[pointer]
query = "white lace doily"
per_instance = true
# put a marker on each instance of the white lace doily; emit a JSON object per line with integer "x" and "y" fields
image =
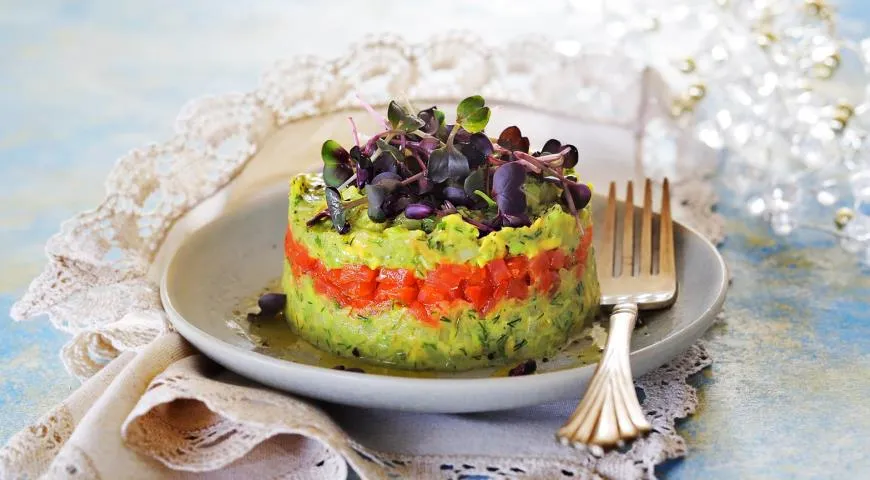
{"x": 100, "y": 284}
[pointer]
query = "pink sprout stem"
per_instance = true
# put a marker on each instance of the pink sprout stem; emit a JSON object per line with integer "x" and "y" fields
{"x": 413, "y": 178}
{"x": 354, "y": 130}
{"x": 377, "y": 116}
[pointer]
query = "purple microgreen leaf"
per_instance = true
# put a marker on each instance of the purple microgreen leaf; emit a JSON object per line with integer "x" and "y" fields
{"x": 512, "y": 139}
{"x": 475, "y": 181}
{"x": 377, "y": 196}
{"x": 455, "y": 194}
{"x": 432, "y": 119}
{"x": 429, "y": 144}
{"x": 418, "y": 211}
{"x": 461, "y": 135}
{"x": 552, "y": 146}
{"x": 336, "y": 163}
{"x": 508, "y": 178}
{"x": 335, "y": 206}
{"x": 400, "y": 119}
{"x": 569, "y": 159}
{"x": 580, "y": 194}
{"x": 481, "y": 143}
{"x": 507, "y": 183}
{"x": 385, "y": 163}
{"x": 513, "y": 203}
{"x": 388, "y": 158}
{"x": 390, "y": 180}
{"x": 446, "y": 163}
{"x": 475, "y": 158}
{"x": 395, "y": 205}
{"x": 569, "y": 199}
{"x": 364, "y": 167}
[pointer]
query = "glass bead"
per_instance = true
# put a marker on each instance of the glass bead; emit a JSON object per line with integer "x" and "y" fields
{"x": 860, "y": 184}
{"x": 782, "y": 223}
{"x": 756, "y": 206}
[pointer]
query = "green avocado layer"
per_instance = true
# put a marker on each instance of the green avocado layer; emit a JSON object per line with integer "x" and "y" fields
{"x": 514, "y": 331}
{"x": 422, "y": 245}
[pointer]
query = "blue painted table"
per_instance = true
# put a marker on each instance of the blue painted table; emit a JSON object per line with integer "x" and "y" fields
{"x": 80, "y": 83}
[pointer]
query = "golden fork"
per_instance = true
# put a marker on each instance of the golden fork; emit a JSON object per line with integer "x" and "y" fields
{"x": 610, "y": 413}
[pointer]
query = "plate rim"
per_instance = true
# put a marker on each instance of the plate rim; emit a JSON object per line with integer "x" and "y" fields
{"x": 195, "y": 335}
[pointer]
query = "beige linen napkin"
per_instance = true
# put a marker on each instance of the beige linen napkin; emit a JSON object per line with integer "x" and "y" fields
{"x": 168, "y": 412}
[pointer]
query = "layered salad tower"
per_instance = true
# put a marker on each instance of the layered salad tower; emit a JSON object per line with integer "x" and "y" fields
{"x": 434, "y": 246}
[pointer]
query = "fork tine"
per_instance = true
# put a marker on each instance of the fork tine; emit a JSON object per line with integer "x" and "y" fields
{"x": 608, "y": 235}
{"x": 628, "y": 233}
{"x": 666, "y": 242}
{"x": 646, "y": 231}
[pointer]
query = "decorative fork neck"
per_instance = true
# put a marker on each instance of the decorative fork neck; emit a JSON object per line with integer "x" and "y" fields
{"x": 625, "y": 308}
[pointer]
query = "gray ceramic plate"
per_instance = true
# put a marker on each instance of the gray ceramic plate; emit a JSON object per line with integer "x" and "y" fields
{"x": 233, "y": 258}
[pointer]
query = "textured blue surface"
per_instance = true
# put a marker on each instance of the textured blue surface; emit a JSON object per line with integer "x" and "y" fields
{"x": 80, "y": 83}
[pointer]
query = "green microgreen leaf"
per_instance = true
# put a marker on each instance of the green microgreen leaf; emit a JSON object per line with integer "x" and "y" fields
{"x": 477, "y": 121}
{"x": 395, "y": 113}
{"x": 472, "y": 114}
{"x": 468, "y": 106}
{"x": 400, "y": 119}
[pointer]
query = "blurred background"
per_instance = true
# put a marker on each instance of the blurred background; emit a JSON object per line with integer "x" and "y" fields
{"x": 81, "y": 83}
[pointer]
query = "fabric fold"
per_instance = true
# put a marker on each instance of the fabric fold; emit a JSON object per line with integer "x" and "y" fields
{"x": 95, "y": 449}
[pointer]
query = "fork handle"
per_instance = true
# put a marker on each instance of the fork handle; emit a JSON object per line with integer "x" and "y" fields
{"x": 609, "y": 413}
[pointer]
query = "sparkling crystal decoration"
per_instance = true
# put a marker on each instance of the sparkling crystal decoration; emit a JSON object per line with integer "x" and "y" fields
{"x": 775, "y": 87}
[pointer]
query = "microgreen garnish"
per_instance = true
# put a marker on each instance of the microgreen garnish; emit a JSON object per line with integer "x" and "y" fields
{"x": 336, "y": 163}
{"x": 424, "y": 168}
{"x": 335, "y": 207}
{"x": 400, "y": 119}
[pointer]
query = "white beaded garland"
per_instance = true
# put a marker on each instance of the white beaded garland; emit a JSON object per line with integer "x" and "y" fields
{"x": 754, "y": 76}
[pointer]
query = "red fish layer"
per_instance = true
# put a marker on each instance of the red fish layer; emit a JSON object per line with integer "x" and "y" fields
{"x": 482, "y": 288}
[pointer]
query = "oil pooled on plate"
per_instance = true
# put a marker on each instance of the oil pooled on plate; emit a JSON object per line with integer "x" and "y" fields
{"x": 272, "y": 336}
